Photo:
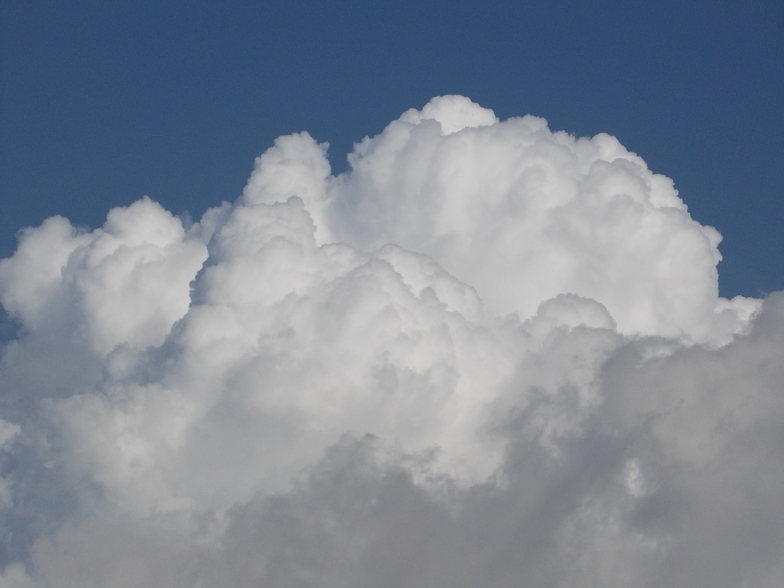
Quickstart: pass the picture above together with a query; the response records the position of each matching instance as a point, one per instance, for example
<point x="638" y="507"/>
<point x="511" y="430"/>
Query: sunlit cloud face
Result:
<point x="487" y="354"/>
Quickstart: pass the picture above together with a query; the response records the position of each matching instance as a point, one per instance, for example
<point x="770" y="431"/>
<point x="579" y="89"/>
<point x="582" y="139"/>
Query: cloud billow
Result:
<point x="487" y="354"/>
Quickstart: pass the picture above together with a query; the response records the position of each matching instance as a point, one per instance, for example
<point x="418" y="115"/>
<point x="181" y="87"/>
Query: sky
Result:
<point x="360" y="294"/>
<point x="103" y="102"/>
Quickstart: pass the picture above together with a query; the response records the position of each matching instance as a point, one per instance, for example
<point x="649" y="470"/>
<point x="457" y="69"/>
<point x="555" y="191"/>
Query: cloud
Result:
<point x="487" y="354"/>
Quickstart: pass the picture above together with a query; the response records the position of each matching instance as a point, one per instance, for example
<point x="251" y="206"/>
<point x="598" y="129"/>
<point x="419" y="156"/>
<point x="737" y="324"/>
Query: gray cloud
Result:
<point x="489" y="354"/>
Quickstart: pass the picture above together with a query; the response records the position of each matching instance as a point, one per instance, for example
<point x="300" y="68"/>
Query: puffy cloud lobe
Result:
<point x="521" y="213"/>
<point x="487" y="354"/>
<point x="126" y="283"/>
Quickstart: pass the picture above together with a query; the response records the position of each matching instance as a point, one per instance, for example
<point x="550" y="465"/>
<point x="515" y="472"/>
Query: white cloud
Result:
<point x="487" y="354"/>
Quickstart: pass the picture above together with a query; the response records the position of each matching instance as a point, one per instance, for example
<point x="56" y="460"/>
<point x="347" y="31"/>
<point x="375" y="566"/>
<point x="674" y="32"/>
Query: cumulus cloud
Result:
<point x="487" y="354"/>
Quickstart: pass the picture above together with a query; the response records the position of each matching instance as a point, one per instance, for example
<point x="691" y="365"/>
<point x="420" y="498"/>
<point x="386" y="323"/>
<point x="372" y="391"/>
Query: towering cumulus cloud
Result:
<point x="489" y="354"/>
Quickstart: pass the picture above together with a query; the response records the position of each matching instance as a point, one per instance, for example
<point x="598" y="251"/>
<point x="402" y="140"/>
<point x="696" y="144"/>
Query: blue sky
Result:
<point x="103" y="102"/>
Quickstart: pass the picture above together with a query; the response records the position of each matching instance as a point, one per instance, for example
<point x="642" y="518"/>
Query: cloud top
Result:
<point x="521" y="213"/>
